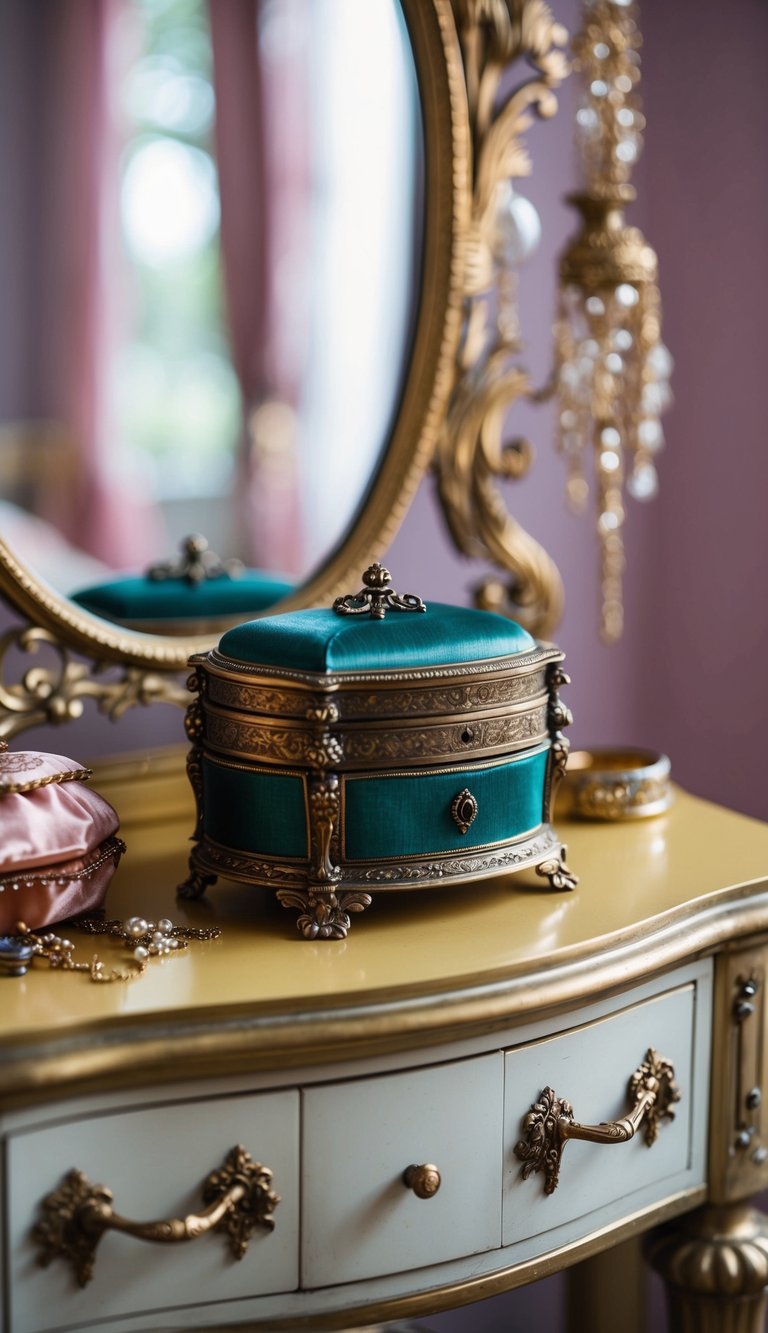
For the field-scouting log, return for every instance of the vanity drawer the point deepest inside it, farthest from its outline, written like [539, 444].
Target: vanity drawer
[590, 1067]
[155, 1162]
[359, 1217]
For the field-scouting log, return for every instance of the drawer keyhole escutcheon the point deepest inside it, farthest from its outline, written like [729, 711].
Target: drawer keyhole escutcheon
[550, 1123]
[464, 810]
[74, 1217]
[424, 1180]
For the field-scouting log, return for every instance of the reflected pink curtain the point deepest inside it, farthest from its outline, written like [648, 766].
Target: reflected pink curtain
[75, 181]
[261, 143]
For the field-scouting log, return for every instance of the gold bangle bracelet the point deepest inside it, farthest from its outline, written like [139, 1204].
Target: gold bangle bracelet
[615, 784]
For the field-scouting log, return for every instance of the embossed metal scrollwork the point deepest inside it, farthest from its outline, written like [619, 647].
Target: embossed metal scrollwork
[74, 1217]
[550, 1122]
[472, 455]
[56, 693]
[375, 598]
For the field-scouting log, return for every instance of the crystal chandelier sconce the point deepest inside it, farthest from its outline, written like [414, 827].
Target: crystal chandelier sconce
[612, 369]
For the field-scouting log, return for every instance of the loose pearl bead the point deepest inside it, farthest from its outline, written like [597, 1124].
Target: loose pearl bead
[165, 925]
[141, 954]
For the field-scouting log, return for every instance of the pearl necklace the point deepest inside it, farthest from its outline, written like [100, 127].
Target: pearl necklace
[145, 939]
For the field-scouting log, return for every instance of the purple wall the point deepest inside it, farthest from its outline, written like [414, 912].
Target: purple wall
[703, 694]
[687, 677]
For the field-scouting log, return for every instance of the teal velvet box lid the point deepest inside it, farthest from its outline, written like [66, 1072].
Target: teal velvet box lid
[337, 752]
[321, 641]
[186, 595]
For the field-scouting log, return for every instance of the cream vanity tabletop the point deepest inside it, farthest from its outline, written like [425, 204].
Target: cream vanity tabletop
[437, 1022]
[418, 964]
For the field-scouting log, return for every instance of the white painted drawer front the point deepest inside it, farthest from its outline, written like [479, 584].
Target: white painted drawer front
[360, 1220]
[590, 1067]
[154, 1161]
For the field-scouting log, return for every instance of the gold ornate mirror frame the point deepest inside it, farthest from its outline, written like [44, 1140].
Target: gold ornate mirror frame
[459, 383]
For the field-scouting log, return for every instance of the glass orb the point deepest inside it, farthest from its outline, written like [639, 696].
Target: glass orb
[518, 226]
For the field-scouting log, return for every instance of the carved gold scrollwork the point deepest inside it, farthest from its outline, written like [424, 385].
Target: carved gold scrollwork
[324, 803]
[193, 725]
[558, 717]
[472, 455]
[56, 692]
[714, 1262]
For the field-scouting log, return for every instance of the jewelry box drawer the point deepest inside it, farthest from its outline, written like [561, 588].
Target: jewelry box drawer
[585, 1073]
[422, 813]
[360, 1217]
[154, 1162]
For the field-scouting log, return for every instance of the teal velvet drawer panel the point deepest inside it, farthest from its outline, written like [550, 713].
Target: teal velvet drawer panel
[256, 811]
[410, 814]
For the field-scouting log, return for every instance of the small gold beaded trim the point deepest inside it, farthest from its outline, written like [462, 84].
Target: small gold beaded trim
[71, 775]
[65, 873]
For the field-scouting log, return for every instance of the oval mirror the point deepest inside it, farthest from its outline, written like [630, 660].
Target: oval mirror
[231, 244]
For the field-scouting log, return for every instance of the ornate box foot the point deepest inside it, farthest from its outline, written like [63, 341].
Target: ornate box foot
[324, 913]
[557, 872]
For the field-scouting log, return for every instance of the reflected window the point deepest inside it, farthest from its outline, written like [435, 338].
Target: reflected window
[174, 396]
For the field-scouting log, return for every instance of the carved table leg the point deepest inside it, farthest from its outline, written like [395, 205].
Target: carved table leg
[715, 1265]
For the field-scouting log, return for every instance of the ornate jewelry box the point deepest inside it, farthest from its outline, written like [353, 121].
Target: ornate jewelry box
[379, 745]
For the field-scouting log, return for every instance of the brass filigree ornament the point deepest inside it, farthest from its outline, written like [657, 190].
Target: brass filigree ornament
[611, 368]
[196, 564]
[464, 810]
[238, 1198]
[375, 598]
[144, 939]
[472, 454]
[54, 690]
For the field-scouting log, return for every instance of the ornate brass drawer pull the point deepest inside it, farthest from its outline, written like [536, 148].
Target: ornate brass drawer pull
[550, 1124]
[424, 1180]
[76, 1214]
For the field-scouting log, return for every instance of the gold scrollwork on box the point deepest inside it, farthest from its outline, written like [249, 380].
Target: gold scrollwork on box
[444, 742]
[450, 867]
[449, 699]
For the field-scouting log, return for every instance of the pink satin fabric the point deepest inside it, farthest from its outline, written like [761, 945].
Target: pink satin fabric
[51, 824]
[59, 828]
[43, 904]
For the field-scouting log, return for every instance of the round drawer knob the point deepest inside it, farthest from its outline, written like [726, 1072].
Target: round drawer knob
[424, 1180]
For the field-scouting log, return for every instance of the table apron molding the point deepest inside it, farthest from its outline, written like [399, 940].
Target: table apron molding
[114, 1053]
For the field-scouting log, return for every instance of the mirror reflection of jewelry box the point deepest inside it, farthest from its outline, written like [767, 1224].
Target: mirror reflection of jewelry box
[379, 745]
[187, 595]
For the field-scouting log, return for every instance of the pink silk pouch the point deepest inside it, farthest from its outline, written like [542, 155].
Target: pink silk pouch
[58, 849]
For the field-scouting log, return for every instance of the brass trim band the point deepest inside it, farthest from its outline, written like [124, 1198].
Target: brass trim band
[417, 872]
[517, 664]
[280, 743]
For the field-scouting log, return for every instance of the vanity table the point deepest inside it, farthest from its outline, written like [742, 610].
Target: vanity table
[361, 1073]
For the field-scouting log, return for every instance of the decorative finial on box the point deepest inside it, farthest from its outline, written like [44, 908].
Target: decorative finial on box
[196, 564]
[376, 598]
